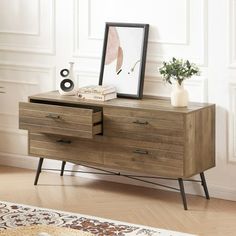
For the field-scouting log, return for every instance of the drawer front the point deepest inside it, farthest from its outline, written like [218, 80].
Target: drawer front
[151, 160]
[158, 126]
[70, 121]
[108, 152]
[66, 148]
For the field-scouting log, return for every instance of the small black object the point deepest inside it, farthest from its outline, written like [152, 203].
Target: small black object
[39, 169]
[52, 116]
[118, 72]
[182, 191]
[140, 122]
[64, 72]
[64, 141]
[141, 151]
[62, 167]
[204, 185]
[131, 176]
[64, 84]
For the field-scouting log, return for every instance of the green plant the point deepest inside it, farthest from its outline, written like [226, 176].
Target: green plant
[178, 69]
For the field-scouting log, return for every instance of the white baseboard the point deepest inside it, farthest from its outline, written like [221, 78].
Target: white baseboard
[16, 160]
[28, 162]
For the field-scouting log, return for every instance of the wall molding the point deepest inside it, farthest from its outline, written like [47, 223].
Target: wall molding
[152, 77]
[18, 82]
[232, 124]
[24, 67]
[94, 38]
[7, 116]
[37, 47]
[24, 33]
[87, 73]
[200, 83]
[13, 131]
[202, 60]
[14, 67]
[76, 30]
[36, 68]
[27, 68]
[187, 30]
[17, 160]
[232, 34]
[187, 27]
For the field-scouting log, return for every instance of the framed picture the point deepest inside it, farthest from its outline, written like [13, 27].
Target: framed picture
[124, 58]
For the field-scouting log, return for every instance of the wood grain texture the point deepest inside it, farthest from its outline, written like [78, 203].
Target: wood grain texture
[177, 118]
[64, 148]
[144, 136]
[153, 126]
[147, 103]
[152, 129]
[143, 160]
[138, 143]
[150, 137]
[200, 141]
[107, 153]
[69, 121]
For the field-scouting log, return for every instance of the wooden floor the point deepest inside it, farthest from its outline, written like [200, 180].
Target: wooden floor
[122, 202]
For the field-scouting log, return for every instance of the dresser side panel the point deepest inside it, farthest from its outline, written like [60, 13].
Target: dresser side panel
[199, 152]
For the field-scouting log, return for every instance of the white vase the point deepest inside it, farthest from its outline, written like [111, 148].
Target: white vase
[179, 95]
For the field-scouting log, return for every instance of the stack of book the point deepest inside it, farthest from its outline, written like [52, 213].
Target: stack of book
[97, 92]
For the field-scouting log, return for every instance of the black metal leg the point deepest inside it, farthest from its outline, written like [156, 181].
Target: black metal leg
[180, 180]
[204, 185]
[63, 167]
[181, 186]
[38, 171]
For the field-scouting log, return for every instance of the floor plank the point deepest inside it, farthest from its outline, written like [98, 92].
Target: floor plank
[134, 204]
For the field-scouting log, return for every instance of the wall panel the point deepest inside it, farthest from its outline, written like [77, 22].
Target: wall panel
[19, 81]
[24, 17]
[232, 33]
[30, 26]
[232, 124]
[187, 36]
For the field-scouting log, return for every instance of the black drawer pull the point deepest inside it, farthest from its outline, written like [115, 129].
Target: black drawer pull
[140, 122]
[141, 151]
[63, 141]
[1, 88]
[52, 116]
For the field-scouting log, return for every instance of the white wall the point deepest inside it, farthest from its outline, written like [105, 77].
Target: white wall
[39, 37]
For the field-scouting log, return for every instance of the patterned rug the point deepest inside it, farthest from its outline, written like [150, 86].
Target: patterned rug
[43, 230]
[16, 215]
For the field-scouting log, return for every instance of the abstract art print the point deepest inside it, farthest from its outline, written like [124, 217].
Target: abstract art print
[124, 58]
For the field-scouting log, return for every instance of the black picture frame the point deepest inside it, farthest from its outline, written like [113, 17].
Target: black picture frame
[125, 44]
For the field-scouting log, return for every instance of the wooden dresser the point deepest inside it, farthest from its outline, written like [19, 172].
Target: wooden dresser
[146, 136]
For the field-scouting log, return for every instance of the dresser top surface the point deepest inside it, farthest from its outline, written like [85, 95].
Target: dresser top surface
[147, 103]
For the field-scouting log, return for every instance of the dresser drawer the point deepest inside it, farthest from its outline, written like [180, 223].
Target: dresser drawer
[66, 148]
[148, 160]
[152, 126]
[63, 120]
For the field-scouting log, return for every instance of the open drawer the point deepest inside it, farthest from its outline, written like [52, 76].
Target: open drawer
[60, 119]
